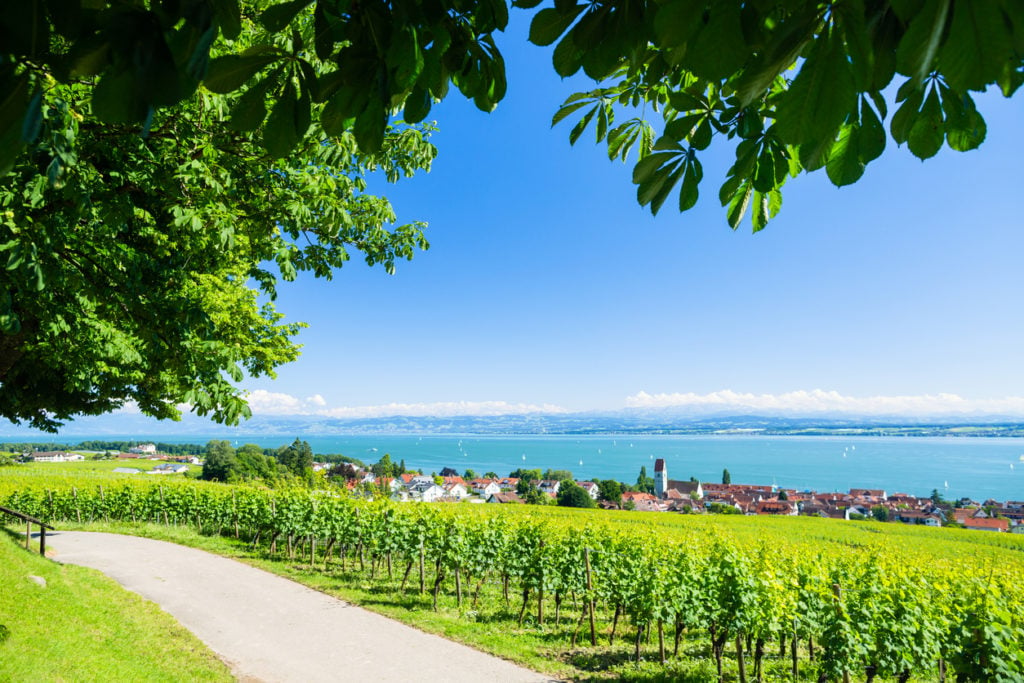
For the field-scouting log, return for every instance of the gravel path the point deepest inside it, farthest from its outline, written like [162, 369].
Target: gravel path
[268, 628]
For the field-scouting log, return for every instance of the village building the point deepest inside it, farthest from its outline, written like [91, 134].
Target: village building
[484, 487]
[990, 524]
[57, 456]
[590, 487]
[504, 498]
[169, 468]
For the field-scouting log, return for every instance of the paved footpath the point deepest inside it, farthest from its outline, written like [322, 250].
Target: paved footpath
[268, 628]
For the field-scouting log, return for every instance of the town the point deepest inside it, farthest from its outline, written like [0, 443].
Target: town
[694, 497]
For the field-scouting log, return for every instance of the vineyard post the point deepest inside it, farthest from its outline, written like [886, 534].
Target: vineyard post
[740, 662]
[837, 590]
[234, 511]
[661, 641]
[49, 496]
[792, 647]
[540, 586]
[103, 503]
[163, 505]
[590, 597]
[422, 588]
[78, 511]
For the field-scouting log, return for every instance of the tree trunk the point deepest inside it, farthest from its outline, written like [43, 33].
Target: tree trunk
[739, 659]
[522, 610]
[615, 624]
[678, 637]
[758, 657]
[405, 576]
[458, 588]
[439, 577]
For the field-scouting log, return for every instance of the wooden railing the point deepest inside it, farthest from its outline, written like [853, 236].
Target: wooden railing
[29, 521]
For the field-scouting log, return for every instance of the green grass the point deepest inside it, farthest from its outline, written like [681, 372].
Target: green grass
[82, 626]
[91, 471]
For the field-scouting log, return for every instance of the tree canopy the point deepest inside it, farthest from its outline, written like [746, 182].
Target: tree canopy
[165, 163]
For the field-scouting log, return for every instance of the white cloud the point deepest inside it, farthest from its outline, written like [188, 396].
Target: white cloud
[818, 401]
[264, 402]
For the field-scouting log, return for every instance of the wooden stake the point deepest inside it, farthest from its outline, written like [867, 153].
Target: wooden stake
[590, 597]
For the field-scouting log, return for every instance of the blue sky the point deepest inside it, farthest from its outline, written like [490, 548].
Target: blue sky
[547, 285]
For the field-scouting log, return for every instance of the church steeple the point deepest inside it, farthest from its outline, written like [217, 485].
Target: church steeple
[660, 478]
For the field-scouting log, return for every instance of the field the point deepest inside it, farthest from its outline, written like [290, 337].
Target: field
[671, 597]
[100, 471]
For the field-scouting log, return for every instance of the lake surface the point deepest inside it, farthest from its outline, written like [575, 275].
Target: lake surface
[976, 467]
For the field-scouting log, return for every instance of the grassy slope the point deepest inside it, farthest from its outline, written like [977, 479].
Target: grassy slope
[83, 626]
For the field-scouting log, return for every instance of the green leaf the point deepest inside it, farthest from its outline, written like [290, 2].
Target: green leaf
[820, 98]
[370, 126]
[280, 135]
[965, 127]
[689, 193]
[927, 133]
[920, 44]
[787, 44]
[903, 119]
[664, 181]
[683, 101]
[677, 22]
[341, 111]
[718, 51]
[33, 119]
[977, 47]
[844, 166]
[229, 73]
[872, 133]
[849, 16]
[250, 109]
[276, 17]
[645, 168]
[566, 109]
[405, 58]
[548, 24]
[115, 99]
[567, 58]
[764, 171]
[578, 129]
[228, 17]
[417, 106]
[738, 204]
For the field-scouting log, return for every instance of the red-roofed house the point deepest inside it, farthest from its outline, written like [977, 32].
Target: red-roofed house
[987, 524]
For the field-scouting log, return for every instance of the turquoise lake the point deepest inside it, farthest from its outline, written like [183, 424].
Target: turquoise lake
[976, 467]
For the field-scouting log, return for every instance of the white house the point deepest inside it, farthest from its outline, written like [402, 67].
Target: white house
[456, 491]
[57, 456]
[590, 487]
[485, 487]
[550, 486]
[169, 468]
[430, 494]
[143, 449]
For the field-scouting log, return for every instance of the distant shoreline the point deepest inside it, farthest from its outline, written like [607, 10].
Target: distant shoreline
[1015, 431]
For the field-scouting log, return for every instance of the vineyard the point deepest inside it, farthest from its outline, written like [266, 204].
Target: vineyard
[692, 597]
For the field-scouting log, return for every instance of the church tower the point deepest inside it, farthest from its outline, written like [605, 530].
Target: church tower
[660, 478]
